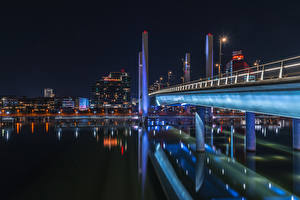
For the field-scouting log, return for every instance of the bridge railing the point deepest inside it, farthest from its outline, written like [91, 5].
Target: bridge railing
[281, 69]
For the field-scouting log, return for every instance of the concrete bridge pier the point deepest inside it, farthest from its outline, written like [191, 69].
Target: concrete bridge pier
[296, 134]
[250, 131]
[200, 129]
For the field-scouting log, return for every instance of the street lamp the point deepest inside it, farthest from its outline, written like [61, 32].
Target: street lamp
[160, 82]
[223, 39]
[169, 78]
[256, 63]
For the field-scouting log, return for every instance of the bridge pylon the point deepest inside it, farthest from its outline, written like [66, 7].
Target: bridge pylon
[140, 82]
[143, 76]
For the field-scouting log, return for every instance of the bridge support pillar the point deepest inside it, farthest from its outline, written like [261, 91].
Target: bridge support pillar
[250, 132]
[296, 134]
[200, 129]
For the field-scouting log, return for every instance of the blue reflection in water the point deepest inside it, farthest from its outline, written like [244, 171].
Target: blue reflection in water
[185, 159]
[145, 149]
[170, 174]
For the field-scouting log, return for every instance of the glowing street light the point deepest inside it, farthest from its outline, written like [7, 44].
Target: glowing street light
[256, 63]
[223, 39]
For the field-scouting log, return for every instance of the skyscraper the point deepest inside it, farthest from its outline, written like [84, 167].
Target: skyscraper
[112, 90]
[209, 56]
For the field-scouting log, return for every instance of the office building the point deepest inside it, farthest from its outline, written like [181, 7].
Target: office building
[112, 90]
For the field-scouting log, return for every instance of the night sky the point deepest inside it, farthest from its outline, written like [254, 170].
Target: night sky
[69, 46]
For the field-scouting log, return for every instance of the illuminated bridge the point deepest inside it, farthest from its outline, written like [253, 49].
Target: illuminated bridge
[271, 88]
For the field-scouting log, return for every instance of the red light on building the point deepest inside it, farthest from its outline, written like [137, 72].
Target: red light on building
[238, 57]
[145, 32]
[237, 63]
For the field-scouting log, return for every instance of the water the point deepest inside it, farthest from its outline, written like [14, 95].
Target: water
[227, 170]
[72, 160]
[116, 159]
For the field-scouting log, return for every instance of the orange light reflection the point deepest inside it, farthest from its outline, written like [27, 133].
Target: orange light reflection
[32, 127]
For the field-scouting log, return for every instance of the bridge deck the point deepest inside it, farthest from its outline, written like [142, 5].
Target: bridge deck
[274, 97]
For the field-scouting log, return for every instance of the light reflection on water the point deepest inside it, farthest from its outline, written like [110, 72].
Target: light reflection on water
[225, 170]
[49, 158]
[273, 168]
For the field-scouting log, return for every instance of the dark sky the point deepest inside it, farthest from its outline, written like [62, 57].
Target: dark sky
[67, 46]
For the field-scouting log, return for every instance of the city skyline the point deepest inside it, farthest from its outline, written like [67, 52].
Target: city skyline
[67, 51]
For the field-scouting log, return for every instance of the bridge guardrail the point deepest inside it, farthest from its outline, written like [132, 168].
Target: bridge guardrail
[281, 69]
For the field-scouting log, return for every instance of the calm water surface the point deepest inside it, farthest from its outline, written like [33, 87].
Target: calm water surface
[105, 159]
[72, 160]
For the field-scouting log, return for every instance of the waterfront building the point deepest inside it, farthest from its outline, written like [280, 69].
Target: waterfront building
[64, 104]
[68, 103]
[112, 91]
[82, 104]
[38, 105]
[33, 105]
[8, 103]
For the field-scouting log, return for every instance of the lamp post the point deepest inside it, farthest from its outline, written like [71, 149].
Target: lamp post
[223, 39]
[160, 82]
[169, 78]
[256, 63]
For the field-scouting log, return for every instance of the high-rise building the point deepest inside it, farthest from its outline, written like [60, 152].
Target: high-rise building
[112, 90]
[49, 93]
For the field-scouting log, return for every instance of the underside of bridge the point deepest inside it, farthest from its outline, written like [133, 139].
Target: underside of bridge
[272, 99]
